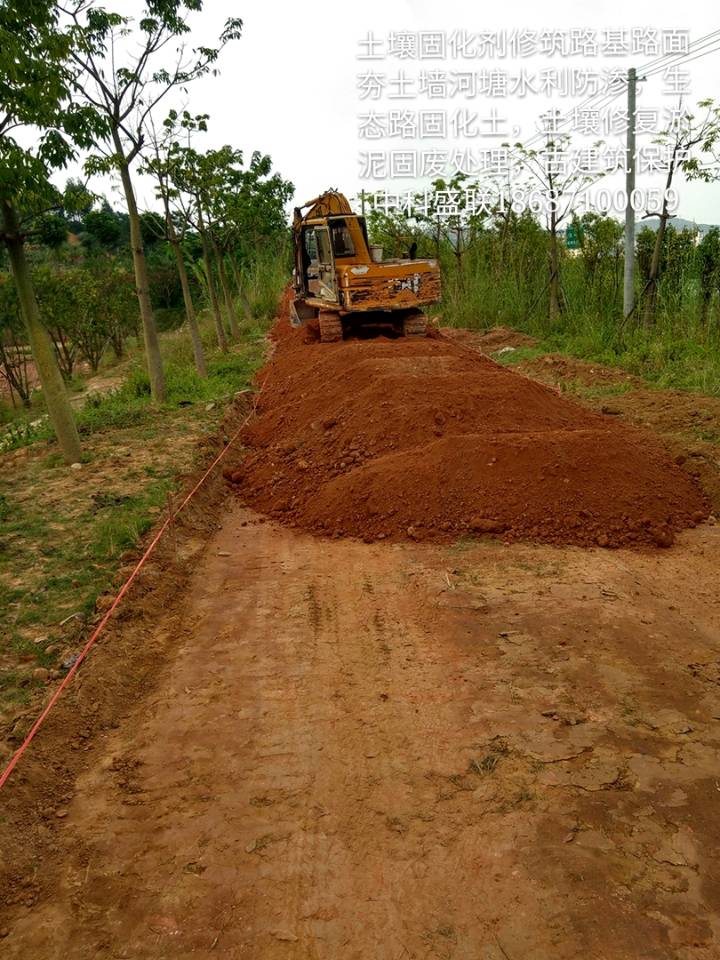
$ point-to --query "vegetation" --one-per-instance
(35, 94)
(510, 268)
(108, 329)
(62, 537)
(80, 278)
(121, 85)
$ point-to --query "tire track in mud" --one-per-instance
(404, 751)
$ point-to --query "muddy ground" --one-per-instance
(291, 746)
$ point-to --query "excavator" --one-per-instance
(341, 280)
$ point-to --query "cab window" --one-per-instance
(341, 239)
(323, 244)
(310, 245)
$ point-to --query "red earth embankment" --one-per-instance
(424, 439)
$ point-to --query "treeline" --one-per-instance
(83, 279)
(84, 284)
(508, 262)
(82, 81)
(497, 273)
(498, 270)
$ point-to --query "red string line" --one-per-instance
(121, 593)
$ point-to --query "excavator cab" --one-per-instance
(344, 283)
(318, 263)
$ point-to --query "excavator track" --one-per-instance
(415, 325)
(330, 327)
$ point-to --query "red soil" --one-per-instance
(425, 439)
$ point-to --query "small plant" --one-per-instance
(488, 763)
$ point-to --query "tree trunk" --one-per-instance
(650, 305)
(500, 262)
(227, 293)
(56, 398)
(118, 345)
(554, 282)
(14, 368)
(142, 284)
(239, 286)
(200, 365)
(212, 291)
(554, 311)
(459, 251)
(64, 352)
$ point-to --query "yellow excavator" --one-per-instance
(341, 280)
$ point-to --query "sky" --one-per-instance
(289, 86)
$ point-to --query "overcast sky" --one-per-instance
(289, 86)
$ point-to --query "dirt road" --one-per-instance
(479, 752)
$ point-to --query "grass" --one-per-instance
(662, 359)
(665, 357)
(63, 533)
(487, 764)
(130, 404)
(72, 558)
(518, 355)
(680, 351)
(597, 391)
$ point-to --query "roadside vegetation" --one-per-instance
(515, 269)
(64, 533)
(111, 388)
(500, 278)
(125, 328)
(84, 83)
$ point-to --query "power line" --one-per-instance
(659, 64)
(694, 45)
(679, 63)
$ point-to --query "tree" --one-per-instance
(193, 176)
(248, 215)
(450, 220)
(122, 306)
(690, 141)
(681, 259)
(396, 233)
(52, 230)
(560, 182)
(13, 351)
(81, 202)
(123, 84)
(103, 228)
(601, 246)
(232, 210)
(708, 254)
(35, 82)
(158, 165)
(56, 296)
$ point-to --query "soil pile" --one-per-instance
(425, 439)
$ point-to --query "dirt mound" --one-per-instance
(425, 439)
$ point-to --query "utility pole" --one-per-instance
(629, 285)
